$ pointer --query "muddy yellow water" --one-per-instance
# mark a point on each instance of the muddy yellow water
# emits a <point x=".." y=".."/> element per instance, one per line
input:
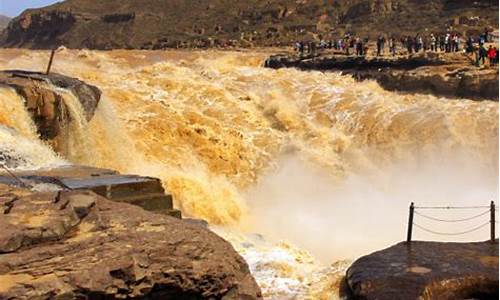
<point x="297" y="169"/>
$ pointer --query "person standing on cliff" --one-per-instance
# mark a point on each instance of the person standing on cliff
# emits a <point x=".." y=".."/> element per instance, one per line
<point x="347" y="45"/>
<point x="425" y="43"/>
<point x="441" y="43"/>
<point x="481" y="55"/>
<point x="301" y="48"/>
<point x="323" y="44"/>
<point x="359" y="47"/>
<point x="452" y="43"/>
<point x="456" y="43"/>
<point x="312" y="48"/>
<point x="433" y="43"/>
<point x="420" y="43"/>
<point x="491" y="55"/>
<point x="447" y="43"/>
<point x="392" y="46"/>
<point x="469" y="45"/>
<point x="414" y="42"/>
<point x="409" y="44"/>
<point x="481" y="41"/>
<point x="380" y="45"/>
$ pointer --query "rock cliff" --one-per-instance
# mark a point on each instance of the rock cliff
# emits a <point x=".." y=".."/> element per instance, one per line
<point x="155" y="24"/>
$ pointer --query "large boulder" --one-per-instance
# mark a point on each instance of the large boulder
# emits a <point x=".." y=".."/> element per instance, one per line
<point x="427" y="270"/>
<point x="78" y="245"/>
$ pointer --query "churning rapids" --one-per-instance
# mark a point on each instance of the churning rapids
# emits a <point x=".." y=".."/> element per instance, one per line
<point x="298" y="170"/>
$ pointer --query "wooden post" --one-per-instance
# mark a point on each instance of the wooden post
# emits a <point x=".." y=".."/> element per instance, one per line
<point x="492" y="221"/>
<point x="410" y="222"/>
<point x="52" y="53"/>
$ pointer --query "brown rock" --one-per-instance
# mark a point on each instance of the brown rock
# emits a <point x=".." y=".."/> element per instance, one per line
<point x="87" y="247"/>
<point x="146" y="192"/>
<point x="47" y="106"/>
<point x="427" y="270"/>
<point x="450" y="75"/>
<point x="154" y="24"/>
<point x="4" y="21"/>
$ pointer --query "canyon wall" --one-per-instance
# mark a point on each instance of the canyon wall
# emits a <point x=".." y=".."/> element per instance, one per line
<point x="155" y="24"/>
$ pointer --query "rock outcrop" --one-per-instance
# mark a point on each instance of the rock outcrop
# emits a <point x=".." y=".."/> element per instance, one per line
<point x="146" y="192"/>
<point x="46" y="105"/>
<point x="427" y="270"/>
<point x="343" y="62"/>
<point x="449" y="75"/>
<point x="466" y="82"/>
<point x="4" y="21"/>
<point x="78" y="245"/>
<point x="155" y="24"/>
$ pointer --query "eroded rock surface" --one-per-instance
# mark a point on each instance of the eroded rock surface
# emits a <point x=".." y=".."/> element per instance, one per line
<point x="427" y="270"/>
<point x="343" y="62"/>
<point x="46" y="104"/>
<point x="462" y="82"/>
<point x="451" y="75"/>
<point x="79" y="245"/>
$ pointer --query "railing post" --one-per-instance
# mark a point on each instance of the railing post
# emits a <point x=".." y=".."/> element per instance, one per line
<point x="492" y="221"/>
<point x="52" y="53"/>
<point x="410" y="222"/>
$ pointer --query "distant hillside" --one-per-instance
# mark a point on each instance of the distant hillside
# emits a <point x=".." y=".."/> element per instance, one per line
<point x="4" y="21"/>
<point x="153" y="24"/>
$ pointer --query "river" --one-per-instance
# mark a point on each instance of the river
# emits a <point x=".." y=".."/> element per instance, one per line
<point x="301" y="171"/>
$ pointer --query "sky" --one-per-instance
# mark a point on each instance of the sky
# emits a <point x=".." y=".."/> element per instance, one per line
<point x="13" y="8"/>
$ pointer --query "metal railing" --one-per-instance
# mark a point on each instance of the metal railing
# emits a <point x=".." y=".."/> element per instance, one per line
<point x="416" y="211"/>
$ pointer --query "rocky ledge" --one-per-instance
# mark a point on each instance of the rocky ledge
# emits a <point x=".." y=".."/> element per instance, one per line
<point x="449" y="75"/>
<point x="427" y="270"/>
<point x="146" y="192"/>
<point x="45" y="104"/>
<point x="76" y="244"/>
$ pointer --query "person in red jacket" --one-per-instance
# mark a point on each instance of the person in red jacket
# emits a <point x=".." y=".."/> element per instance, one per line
<point x="491" y="55"/>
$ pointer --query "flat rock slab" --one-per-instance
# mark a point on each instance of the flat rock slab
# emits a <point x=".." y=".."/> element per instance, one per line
<point x="70" y="171"/>
<point x="427" y="270"/>
<point x="85" y="183"/>
<point x="79" y="245"/>
<point x="146" y="192"/>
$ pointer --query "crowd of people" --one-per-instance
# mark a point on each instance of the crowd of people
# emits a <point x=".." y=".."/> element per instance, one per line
<point x="449" y="42"/>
